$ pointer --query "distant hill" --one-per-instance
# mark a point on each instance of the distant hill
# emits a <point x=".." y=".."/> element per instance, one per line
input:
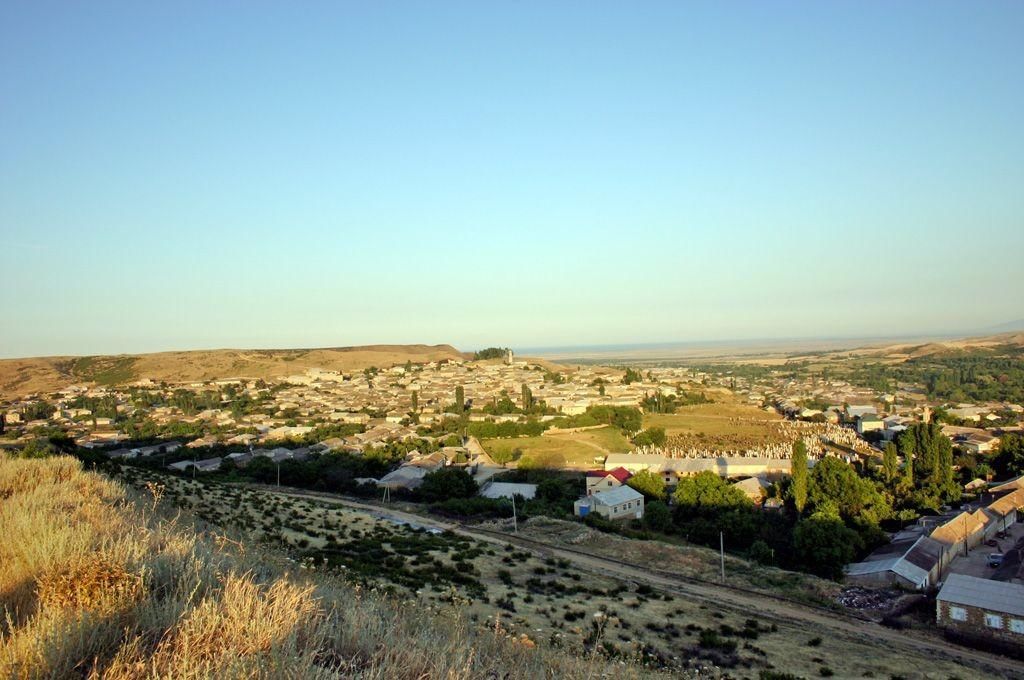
<point x="1009" y="326"/>
<point x="44" y="374"/>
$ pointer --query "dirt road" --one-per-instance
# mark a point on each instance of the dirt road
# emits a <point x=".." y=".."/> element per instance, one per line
<point x="827" y="623"/>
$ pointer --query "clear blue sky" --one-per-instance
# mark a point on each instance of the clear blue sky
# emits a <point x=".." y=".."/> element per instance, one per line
<point x="246" y="174"/>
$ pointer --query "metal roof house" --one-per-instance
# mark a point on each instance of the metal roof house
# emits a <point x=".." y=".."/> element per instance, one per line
<point x="623" y="502"/>
<point x="982" y="607"/>
<point x="911" y="564"/>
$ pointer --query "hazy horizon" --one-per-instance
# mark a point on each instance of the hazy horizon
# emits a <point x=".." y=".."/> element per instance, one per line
<point x="550" y="174"/>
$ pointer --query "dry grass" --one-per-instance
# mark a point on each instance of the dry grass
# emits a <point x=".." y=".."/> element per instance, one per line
<point x="46" y="374"/>
<point x="98" y="582"/>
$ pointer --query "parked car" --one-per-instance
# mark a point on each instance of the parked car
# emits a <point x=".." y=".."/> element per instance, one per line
<point x="995" y="560"/>
<point x="992" y="543"/>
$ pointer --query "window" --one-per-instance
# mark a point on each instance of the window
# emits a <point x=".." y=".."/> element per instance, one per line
<point x="993" y="621"/>
<point x="958" y="613"/>
<point x="1017" y="626"/>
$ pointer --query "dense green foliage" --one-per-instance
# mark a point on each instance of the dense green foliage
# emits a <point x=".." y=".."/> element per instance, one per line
<point x="447" y="483"/>
<point x="650" y="484"/>
<point x="798" y="471"/>
<point x="652" y="436"/>
<point x="1009" y="459"/>
<point x="490" y="353"/>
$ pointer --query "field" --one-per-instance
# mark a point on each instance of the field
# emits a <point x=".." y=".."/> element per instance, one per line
<point x="544" y="600"/>
<point x="100" y="581"/>
<point x="724" y="425"/>
<point x="579" y="449"/>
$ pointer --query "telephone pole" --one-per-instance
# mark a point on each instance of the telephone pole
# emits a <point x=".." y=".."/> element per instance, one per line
<point x="721" y="551"/>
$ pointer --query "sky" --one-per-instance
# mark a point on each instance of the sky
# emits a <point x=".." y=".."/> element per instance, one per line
<point x="248" y="174"/>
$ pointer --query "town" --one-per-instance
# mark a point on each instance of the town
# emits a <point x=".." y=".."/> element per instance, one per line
<point x="716" y="454"/>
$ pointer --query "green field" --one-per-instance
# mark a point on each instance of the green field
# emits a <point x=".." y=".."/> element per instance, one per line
<point x="579" y="449"/>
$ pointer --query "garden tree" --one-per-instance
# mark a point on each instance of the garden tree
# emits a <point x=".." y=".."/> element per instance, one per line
<point x="415" y="401"/>
<point x="652" y="436"/>
<point x="836" y="488"/>
<point x="631" y="376"/>
<point x="527" y="397"/>
<point x="932" y="455"/>
<point x="445" y="483"/>
<point x="650" y="484"/>
<point x="798" y="473"/>
<point x="660" y="403"/>
<point x="926" y="443"/>
<point x="460" y="399"/>
<point x="706" y="492"/>
<point x="824" y="545"/>
<point x="890" y="464"/>
<point x="907" y="481"/>
<point x="600" y="389"/>
<point x="657" y="516"/>
<point x="490" y="353"/>
<point x="985" y="471"/>
<point x="626" y="418"/>
<point x="1009" y="458"/>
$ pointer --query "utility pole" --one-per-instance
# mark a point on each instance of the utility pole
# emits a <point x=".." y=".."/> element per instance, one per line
<point x="721" y="550"/>
<point x="515" y="521"/>
<point x="278" y="474"/>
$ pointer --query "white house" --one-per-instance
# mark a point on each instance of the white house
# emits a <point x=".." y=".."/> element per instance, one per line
<point x="623" y="502"/>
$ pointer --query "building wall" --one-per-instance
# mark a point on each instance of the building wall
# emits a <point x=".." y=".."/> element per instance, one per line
<point x="975" y="623"/>
<point x="633" y="509"/>
<point x="602" y="484"/>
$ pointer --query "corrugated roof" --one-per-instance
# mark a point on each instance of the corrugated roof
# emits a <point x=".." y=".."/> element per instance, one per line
<point x="508" y="490"/>
<point x="955" y="530"/>
<point x="874" y="567"/>
<point x="618" y="495"/>
<point x="1016" y="483"/>
<point x="996" y="596"/>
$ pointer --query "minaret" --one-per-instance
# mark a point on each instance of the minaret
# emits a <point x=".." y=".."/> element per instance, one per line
<point x="508" y="357"/>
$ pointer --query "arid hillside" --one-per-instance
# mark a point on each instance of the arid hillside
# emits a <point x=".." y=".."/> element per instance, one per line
<point x="99" y="581"/>
<point x="42" y="374"/>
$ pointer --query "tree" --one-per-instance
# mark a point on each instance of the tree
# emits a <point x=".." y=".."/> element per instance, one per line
<point x="1009" y="458"/>
<point x="527" y="397"/>
<point x="890" y="463"/>
<point x="707" y="492"/>
<point x="835" y="487"/>
<point x="631" y="376"/>
<point x="415" y="401"/>
<point x="447" y="482"/>
<point x="650" y="484"/>
<point x="824" y="545"/>
<point x="798" y="472"/>
<point x="460" y="399"/>
<point x="652" y="436"/>
<point x="657" y="516"/>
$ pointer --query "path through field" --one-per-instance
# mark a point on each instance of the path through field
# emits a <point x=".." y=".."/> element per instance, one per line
<point x="828" y="624"/>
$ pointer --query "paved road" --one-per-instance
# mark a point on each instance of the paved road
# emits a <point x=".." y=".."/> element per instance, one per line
<point x="826" y="622"/>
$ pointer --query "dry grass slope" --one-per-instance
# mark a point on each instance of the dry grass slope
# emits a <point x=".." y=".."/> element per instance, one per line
<point x="98" y="582"/>
<point x="46" y="374"/>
